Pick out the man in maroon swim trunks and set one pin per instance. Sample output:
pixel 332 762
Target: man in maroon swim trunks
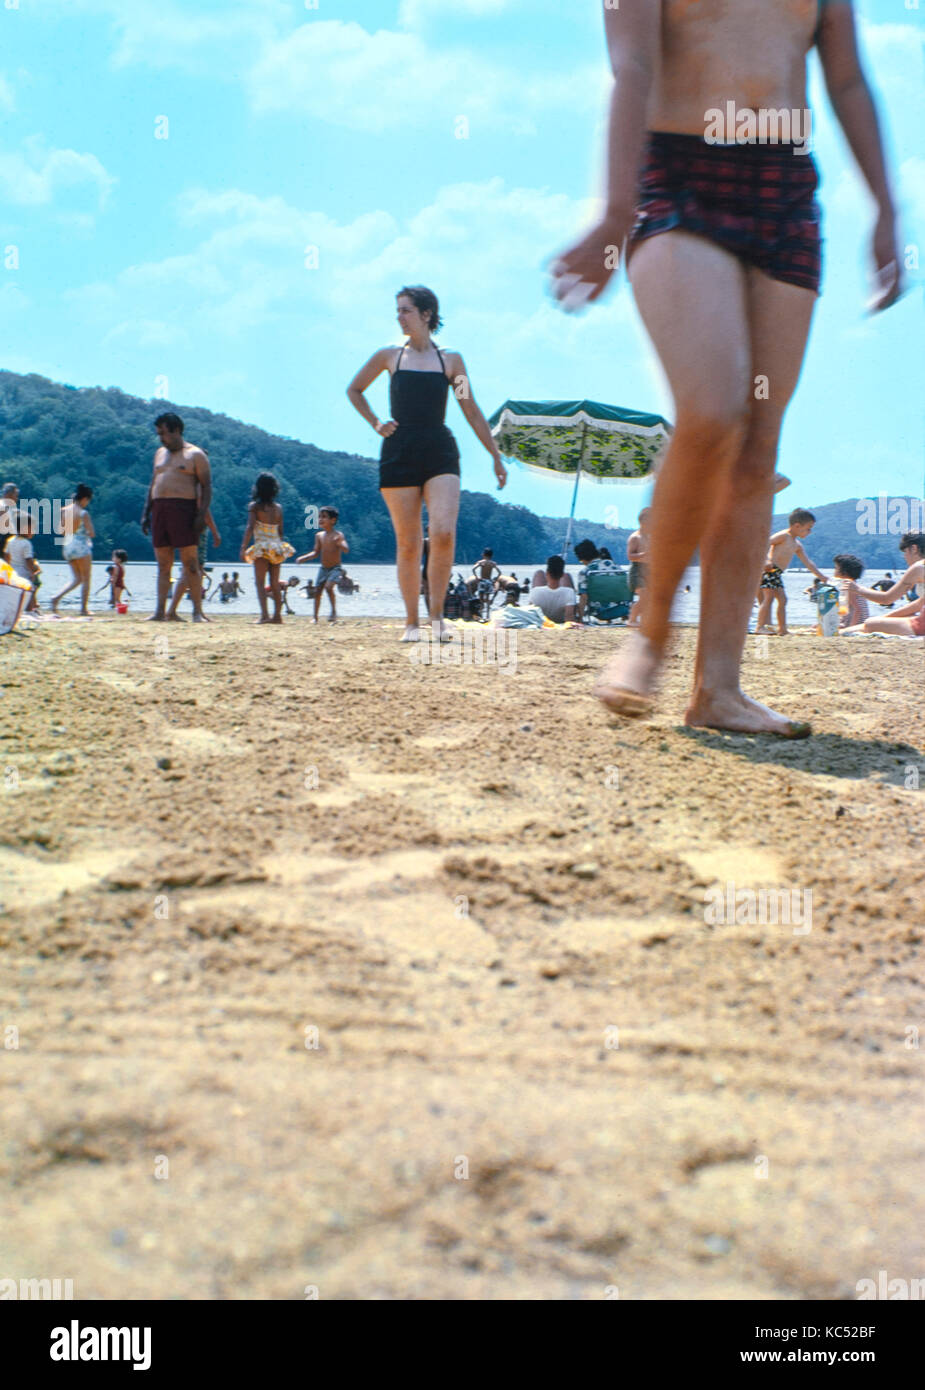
pixel 711 191
pixel 175 512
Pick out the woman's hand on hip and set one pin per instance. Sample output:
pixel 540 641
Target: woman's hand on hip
pixel 386 427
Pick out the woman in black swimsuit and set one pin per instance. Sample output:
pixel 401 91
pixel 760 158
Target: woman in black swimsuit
pixel 420 460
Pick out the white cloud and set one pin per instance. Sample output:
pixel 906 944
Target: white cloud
pixel 340 72
pixel 37 175
pixel 481 246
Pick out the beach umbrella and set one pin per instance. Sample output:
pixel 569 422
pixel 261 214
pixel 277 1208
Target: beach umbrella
pixel 580 439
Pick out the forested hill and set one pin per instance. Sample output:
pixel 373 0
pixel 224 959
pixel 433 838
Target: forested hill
pixel 53 437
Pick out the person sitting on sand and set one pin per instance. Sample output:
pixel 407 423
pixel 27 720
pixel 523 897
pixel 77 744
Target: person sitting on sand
pixel 330 545
pixel 637 553
pixel 908 621
pixel 269 550
pixel 592 563
pixel 852 609
pixel 781 550
pixel 554 597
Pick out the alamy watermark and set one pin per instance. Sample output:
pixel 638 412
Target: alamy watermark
pixel 889 516
pixel 732 125
pixel 483 646
pixel 726 905
pixel 25 1289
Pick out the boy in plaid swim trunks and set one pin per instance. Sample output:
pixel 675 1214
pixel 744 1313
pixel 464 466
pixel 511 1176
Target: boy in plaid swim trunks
pixel 720 231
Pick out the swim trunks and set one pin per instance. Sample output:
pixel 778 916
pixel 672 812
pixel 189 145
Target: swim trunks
pixel 173 523
pixel 755 201
pixel 773 578
pixel 329 576
pixel 637 575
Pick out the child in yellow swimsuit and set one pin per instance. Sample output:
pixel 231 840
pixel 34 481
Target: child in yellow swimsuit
pixel 268 550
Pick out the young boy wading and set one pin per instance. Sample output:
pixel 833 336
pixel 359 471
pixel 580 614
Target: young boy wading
pixel 722 243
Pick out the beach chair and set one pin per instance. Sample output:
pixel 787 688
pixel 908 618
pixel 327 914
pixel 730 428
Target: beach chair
pixel 609 597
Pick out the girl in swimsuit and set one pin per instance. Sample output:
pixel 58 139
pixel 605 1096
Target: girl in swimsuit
pixel 268 550
pixel 419 459
pixel 78 547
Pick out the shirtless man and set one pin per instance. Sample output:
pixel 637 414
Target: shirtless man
pixel 175 513
pixel 483 569
pixel 908 621
pixel 637 553
pixel 781 550
pixel 723 242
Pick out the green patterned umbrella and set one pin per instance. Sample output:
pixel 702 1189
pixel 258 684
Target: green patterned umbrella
pixel 572 439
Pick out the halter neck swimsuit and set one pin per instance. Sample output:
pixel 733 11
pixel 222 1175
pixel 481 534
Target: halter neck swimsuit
pixel 422 447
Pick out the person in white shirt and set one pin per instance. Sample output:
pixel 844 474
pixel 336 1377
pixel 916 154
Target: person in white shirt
pixel 555 598
pixel 20 556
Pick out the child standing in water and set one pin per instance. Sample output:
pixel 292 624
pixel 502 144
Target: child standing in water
pixel 269 550
pixel 330 545
pixel 782 547
pixel 721 231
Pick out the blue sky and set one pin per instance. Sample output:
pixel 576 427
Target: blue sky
pixel 334 125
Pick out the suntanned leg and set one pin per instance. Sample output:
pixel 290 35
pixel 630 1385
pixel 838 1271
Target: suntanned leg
pixel 782 615
pixel 85 569
pixel 164 557
pixel 442 497
pixel 260 579
pixel 898 627
pixel 404 504
pixel 277 593
pixel 68 587
pixel 333 616
pixel 692 298
pixel 734 546
pixel 765 604
pixel 189 558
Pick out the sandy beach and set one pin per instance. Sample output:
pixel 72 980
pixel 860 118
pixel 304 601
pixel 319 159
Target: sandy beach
pixel 327 969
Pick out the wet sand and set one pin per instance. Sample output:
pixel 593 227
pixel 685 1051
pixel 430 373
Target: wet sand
pixel 537 1071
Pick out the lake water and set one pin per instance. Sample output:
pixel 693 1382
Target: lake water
pixel 378 597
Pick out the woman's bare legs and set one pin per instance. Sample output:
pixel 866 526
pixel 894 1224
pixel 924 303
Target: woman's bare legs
pixel 442 497
pixel 734 545
pixel 693 300
pixel 82 569
pixel 404 504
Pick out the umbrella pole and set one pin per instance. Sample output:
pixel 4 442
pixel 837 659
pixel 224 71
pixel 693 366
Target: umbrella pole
pixel 581 460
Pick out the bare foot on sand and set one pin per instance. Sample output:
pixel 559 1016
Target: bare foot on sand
pixel 411 634
pixel 439 631
pixel 258 622
pixel 626 685
pixel 735 712
pixel 155 618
